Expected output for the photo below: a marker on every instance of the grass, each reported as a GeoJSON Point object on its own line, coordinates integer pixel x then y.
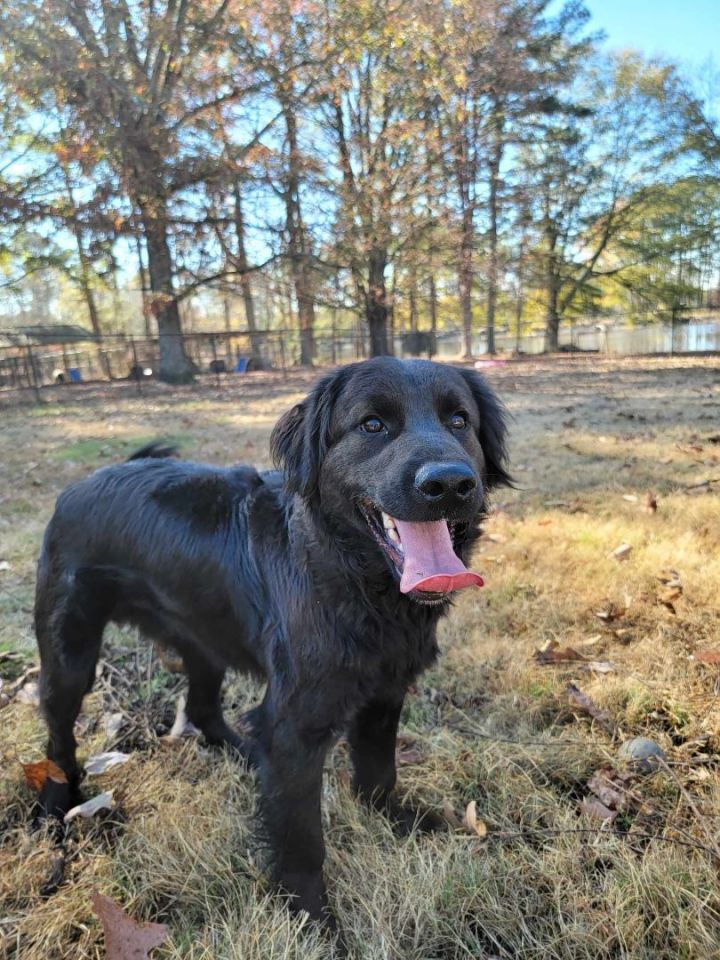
{"type": "Point", "coordinates": [487, 724]}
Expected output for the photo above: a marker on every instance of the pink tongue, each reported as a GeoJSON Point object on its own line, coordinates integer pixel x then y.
{"type": "Point", "coordinates": [431, 564]}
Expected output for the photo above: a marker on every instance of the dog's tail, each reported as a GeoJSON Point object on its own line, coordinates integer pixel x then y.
{"type": "Point", "coordinates": [154, 451]}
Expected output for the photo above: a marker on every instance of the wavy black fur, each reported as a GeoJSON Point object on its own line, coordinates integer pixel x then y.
{"type": "Point", "coordinates": [277, 574]}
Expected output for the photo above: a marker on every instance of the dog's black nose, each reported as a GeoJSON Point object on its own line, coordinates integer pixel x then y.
{"type": "Point", "coordinates": [445, 483]}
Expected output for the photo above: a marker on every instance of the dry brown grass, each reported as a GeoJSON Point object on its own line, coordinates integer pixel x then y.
{"type": "Point", "coordinates": [488, 724]}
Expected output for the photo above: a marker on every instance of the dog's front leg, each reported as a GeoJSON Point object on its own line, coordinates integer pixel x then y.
{"type": "Point", "coordinates": [372, 737]}
{"type": "Point", "coordinates": [291, 785]}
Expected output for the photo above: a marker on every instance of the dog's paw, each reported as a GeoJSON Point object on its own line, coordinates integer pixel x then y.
{"type": "Point", "coordinates": [53, 802]}
{"type": "Point", "coordinates": [406, 819]}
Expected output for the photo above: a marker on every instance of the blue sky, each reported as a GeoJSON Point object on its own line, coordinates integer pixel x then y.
{"type": "Point", "coordinates": [687, 30]}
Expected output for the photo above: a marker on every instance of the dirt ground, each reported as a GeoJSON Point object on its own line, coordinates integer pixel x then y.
{"type": "Point", "coordinates": [598, 623]}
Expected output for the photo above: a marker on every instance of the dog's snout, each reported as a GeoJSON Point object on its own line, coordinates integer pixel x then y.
{"type": "Point", "coordinates": [446, 483]}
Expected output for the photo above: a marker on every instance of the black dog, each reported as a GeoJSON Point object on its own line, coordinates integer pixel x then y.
{"type": "Point", "coordinates": [327, 580]}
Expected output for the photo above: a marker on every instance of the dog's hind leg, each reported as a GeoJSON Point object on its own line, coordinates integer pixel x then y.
{"type": "Point", "coordinates": [69, 622]}
{"type": "Point", "coordinates": [204, 705]}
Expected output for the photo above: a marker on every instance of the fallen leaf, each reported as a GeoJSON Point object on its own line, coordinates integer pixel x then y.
{"type": "Point", "coordinates": [622, 552]}
{"type": "Point", "coordinates": [37, 773]}
{"type": "Point", "coordinates": [29, 694]}
{"type": "Point", "coordinates": [602, 785]}
{"type": "Point", "coordinates": [125, 938]}
{"type": "Point", "coordinates": [101, 762]}
{"type": "Point", "coordinates": [4, 565]}
{"type": "Point", "coordinates": [707, 656]}
{"type": "Point", "coordinates": [650, 502]}
{"type": "Point", "coordinates": [596, 809]}
{"type": "Point", "coordinates": [611, 613]}
{"type": "Point", "coordinates": [669, 577]}
{"type": "Point", "coordinates": [472, 823]}
{"type": "Point", "coordinates": [630, 497]}
{"type": "Point", "coordinates": [410, 755]}
{"type": "Point", "coordinates": [450, 814]}
{"type": "Point", "coordinates": [583, 702]}
{"type": "Point", "coordinates": [553, 653]}
{"type": "Point", "coordinates": [103, 801]}
{"type": "Point", "coordinates": [599, 666]}
{"type": "Point", "coordinates": [112, 724]}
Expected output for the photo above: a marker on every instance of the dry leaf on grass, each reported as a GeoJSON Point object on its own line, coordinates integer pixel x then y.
{"type": "Point", "coordinates": [650, 504]}
{"type": "Point", "coordinates": [582, 701]}
{"type": "Point", "coordinates": [611, 613]}
{"type": "Point", "coordinates": [609, 795]}
{"type": "Point", "coordinates": [672, 588]}
{"type": "Point", "coordinates": [112, 724]}
{"type": "Point", "coordinates": [101, 762]}
{"type": "Point", "coordinates": [37, 773]}
{"type": "Point", "coordinates": [409, 751]}
{"type": "Point", "coordinates": [707, 656]}
{"type": "Point", "coordinates": [552, 652]}
{"type": "Point", "coordinates": [450, 815]}
{"type": "Point", "coordinates": [596, 809]}
{"type": "Point", "coordinates": [103, 801]}
{"type": "Point", "coordinates": [472, 824]}
{"type": "Point", "coordinates": [29, 694]}
{"type": "Point", "coordinates": [599, 666]}
{"type": "Point", "coordinates": [125, 938]}
{"type": "Point", "coordinates": [622, 552]}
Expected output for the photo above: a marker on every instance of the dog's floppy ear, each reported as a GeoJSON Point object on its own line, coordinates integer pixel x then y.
{"type": "Point", "coordinates": [492, 431]}
{"type": "Point", "coordinates": [301, 437]}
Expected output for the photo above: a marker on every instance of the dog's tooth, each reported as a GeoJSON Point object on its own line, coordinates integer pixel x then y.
{"type": "Point", "coordinates": [388, 521]}
{"type": "Point", "coordinates": [393, 534]}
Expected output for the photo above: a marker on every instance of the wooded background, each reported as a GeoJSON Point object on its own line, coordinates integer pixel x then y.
{"type": "Point", "coordinates": [398, 166]}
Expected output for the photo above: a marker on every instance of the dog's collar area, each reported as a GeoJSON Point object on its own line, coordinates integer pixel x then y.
{"type": "Point", "coordinates": [422, 554]}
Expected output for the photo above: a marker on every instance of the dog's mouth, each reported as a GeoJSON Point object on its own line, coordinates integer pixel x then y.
{"type": "Point", "coordinates": [422, 553]}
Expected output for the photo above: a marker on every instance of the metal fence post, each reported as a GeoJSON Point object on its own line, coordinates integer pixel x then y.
{"type": "Point", "coordinates": [32, 373]}
{"type": "Point", "coordinates": [283, 364]}
{"type": "Point", "coordinates": [135, 365]}
{"type": "Point", "coordinates": [213, 344]}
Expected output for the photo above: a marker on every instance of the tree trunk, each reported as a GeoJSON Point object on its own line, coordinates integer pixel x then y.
{"type": "Point", "coordinates": [433, 303]}
{"type": "Point", "coordinates": [306, 314]}
{"type": "Point", "coordinates": [552, 327]}
{"type": "Point", "coordinates": [493, 240]}
{"type": "Point", "coordinates": [242, 266]}
{"type": "Point", "coordinates": [465, 275]}
{"type": "Point", "coordinates": [175, 365]}
{"type": "Point", "coordinates": [297, 243]}
{"type": "Point", "coordinates": [376, 309]}
{"type": "Point", "coordinates": [413, 299]}
{"type": "Point", "coordinates": [142, 274]}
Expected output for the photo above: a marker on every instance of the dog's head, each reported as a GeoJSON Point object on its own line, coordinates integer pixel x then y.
{"type": "Point", "coordinates": [404, 453]}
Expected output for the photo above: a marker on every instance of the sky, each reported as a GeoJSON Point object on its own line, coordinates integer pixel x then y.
{"type": "Point", "coordinates": [687, 30]}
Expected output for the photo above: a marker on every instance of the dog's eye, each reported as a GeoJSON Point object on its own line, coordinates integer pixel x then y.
{"type": "Point", "coordinates": [458, 421]}
{"type": "Point", "coordinates": [372, 425]}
